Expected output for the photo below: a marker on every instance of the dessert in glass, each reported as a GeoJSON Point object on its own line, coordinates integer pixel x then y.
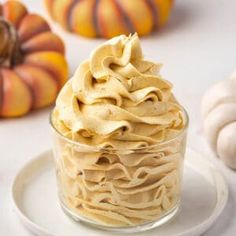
{"type": "Point", "coordinates": [119, 141]}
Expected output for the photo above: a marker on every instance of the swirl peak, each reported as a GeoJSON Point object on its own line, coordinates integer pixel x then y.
{"type": "Point", "coordinates": [116, 97]}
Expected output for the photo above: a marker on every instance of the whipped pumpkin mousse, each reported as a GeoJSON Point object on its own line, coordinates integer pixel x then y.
{"type": "Point", "coordinates": [119, 138]}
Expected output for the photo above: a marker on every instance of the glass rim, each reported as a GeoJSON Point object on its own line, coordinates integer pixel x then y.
{"type": "Point", "coordinates": [97, 148]}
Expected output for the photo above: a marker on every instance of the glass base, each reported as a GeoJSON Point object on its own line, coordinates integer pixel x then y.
{"type": "Point", "coordinates": [126, 229]}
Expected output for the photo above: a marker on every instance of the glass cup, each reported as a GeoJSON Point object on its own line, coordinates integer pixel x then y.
{"type": "Point", "coordinates": [128, 190]}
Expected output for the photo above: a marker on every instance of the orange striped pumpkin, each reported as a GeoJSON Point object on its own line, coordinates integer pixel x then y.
{"type": "Point", "coordinates": [32, 64]}
{"type": "Point", "coordinates": [108, 18]}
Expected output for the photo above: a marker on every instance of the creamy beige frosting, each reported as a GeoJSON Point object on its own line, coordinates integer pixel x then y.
{"type": "Point", "coordinates": [118, 101]}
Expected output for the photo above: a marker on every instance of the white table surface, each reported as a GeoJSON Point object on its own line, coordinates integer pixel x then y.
{"type": "Point", "coordinates": [197, 48]}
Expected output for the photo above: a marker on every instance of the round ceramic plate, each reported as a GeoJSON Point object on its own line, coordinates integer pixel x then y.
{"type": "Point", "coordinates": [35, 199]}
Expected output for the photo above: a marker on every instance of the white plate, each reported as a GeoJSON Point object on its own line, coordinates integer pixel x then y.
{"type": "Point", "coordinates": [35, 199]}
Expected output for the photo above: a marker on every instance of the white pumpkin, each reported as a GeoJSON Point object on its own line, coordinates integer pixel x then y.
{"type": "Point", "coordinates": [219, 119]}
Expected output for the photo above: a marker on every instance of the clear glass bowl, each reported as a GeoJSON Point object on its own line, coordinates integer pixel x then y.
{"type": "Point", "coordinates": [129, 190]}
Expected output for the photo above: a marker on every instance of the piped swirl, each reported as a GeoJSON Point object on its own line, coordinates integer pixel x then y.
{"type": "Point", "coordinates": [117, 101]}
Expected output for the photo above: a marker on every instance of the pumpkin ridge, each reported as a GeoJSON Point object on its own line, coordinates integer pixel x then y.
{"type": "Point", "coordinates": [19, 23]}
{"type": "Point", "coordinates": [226, 101]}
{"type": "Point", "coordinates": [29, 88]}
{"type": "Point", "coordinates": [41, 59]}
{"type": "Point", "coordinates": [54, 75]}
{"type": "Point", "coordinates": [131, 19]}
{"type": "Point", "coordinates": [32, 82]}
{"type": "Point", "coordinates": [69, 14]}
{"type": "Point", "coordinates": [225, 147]}
{"type": "Point", "coordinates": [26, 48]}
{"type": "Point", "coordinates": [8, 12]}
{"type": "Point", "coordinates": [153, 9]}
{"type": "Point", "coordinates": [125, 16]}
{"type": "Point", "coordinates": [218, 134]}
{"type": "Point", "coordinates": [102, 26]}
{"type": "Point", "coordinates": [4, 107]}
{"type": "Point", "coordinates": [220, 126]}
{"type": "Point", "coordinates": [96, 18]}
{"type": "Point", "coordinates": [164, 11]}
{"type": "Point", "coordinates": [10, 52]}
{"type": "Point", "coordinates": [42, 27]}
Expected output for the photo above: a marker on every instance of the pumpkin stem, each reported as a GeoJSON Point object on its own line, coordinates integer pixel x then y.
{"type": "Point", "coordinates": [10, 53]}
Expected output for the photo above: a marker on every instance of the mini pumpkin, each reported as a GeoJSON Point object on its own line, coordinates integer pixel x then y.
{"type": "Point", "coordinates": [108, 18]}
{"type": "Point", "coordinates": [32, 63]}
{"type": "Point", "coordinates": [219, 114]}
